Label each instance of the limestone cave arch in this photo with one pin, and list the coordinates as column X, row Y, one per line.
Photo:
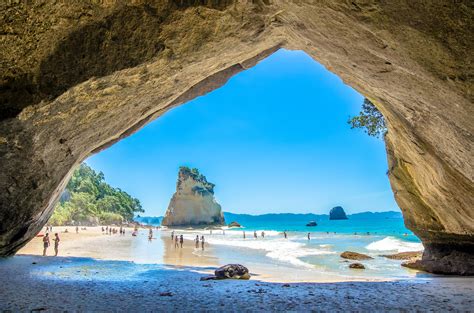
column 78, row 77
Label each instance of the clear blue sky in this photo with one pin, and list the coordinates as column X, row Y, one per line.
column 275, row 138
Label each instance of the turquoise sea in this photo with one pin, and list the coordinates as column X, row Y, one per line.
column 369, row 233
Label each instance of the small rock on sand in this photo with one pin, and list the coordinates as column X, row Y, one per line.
column 355, row 256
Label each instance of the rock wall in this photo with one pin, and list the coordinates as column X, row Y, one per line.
column 193, row 202
column 77, row 76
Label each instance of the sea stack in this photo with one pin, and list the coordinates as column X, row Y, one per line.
column 337, row 213
column 193, row 202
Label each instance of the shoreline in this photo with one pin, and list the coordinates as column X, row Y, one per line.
column 92, row 243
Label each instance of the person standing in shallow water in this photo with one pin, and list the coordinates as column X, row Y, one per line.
column 263, row 234
column 255, row 234
column 202, row 242
column 309, row 236
column 176, row 242
column 197, row 242
column 284, row 234
column 45, row 243
column 181, row 240
column 244, row 234
column 56, row 244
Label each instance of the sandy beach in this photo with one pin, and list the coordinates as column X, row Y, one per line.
column 92, row 243
column 99, row 272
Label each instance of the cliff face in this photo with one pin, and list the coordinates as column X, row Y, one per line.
column 337, row 213
column 77, row 76
column 193, row 202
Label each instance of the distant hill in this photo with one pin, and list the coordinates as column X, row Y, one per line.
column 149, row 220
column 280, row 217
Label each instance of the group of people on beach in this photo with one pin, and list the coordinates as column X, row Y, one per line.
column 47, row 242
column 112, row 230
column 179, row 241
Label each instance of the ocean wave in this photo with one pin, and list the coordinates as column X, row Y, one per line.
column 278, row 249
column 394, row 244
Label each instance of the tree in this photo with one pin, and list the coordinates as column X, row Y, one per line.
column 89, row 198
column 370, row 119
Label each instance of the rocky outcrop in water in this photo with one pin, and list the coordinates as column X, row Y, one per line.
column 78, row 76
column 337, row 213
column 355, row 256
column 193, row 202
column 234, row 224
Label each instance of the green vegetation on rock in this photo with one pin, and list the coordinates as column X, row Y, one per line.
column 89, row 200
column 370, row 119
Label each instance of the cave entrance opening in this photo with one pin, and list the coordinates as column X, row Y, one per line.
column 276, row 142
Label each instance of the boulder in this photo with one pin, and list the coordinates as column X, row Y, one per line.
column 234, row 224
column 232, row 271
column 358, row 266
column 337, row 213
column 355, row 256
column 193, row 203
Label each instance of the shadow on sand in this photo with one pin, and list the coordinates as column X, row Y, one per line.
column 85, row 284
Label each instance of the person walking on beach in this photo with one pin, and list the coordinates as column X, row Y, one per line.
column 77, row 229
column 244, row 234
column 176, row 242
column 202, row 242
column 172, row 235
column 181, row 240
column 56, row 244
column 309, row 236
column 196, row 241
column 285, row 235
column 150, row 234
column 45, row 243
column 263, row 234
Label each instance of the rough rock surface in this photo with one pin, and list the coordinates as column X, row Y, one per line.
column 233, row 271
column 77, row 76
column 234, row 224
column 355, row 256
column 337, row 213
column 411, row 255
column 358, row 266
column 193, row 202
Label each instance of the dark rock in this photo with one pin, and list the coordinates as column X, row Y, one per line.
column 337, row 213
column 233, row 271
column 442, row 259
column 234, row 224
column 166, row 294
column 210, row 277
column 312, row 223
column 355, row 256
column 286, row 285
column 358, row 266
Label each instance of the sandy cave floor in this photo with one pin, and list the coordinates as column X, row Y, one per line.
column 84, row 284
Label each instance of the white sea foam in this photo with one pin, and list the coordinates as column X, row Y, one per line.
column 394, row 244
column 277, row 248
